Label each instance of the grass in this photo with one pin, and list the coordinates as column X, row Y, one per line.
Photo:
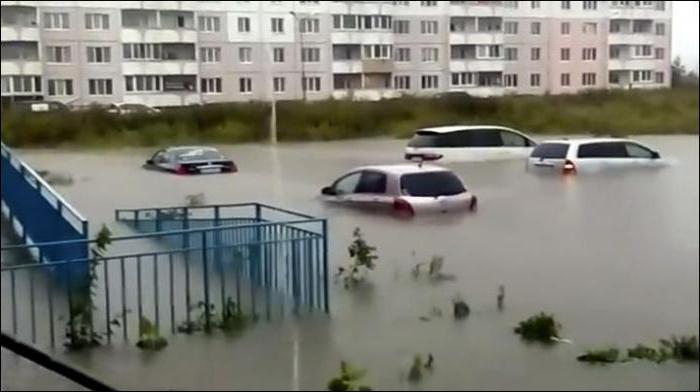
column 665, row 111
column 539, row 328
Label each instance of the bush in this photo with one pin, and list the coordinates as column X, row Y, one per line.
column 542, row 327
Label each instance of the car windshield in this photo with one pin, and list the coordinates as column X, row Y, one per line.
column 197, row 154
column 431, row 184
column 550, row 151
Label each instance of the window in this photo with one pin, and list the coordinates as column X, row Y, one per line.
column 372, row 182
column 634, row 150
column 402, row 54
column 590, row 5
column 312, row 83
column 534, row 4
column 309, row 25
column 245, row 55
column 615, row 26
column 511, row 54
column 21, row 84
column 511, row 27
column 278, row 55
column 566, row 5
column 402, row 3
column 429, row 82
column 376, row 52
column 534, row 80
column 641, row 76
column 550, row 151
column 429, row 55
column 143, row 83
column 210, row 55
column 347, row 184
column 245, row 85
column 660, row 29
column 659, row 77
column 510, row 80
column 244, row 25
column 615, row 52
column 535, row 54
column 402, row 82
column 99, row 54
column 60, row 87
column 100, row 86
column 588, row 79
column 639, row 26
column 660, row 5
column 428, row 3
column 277, row 25
column 462, row 79
column 659, row 53
column 402, row 27
column 488, row 51
column 211, row 86
column 96, row 21
column 431, row 184
column 603, row 150
column 614, row 78
column 58, row 54
column 535, row 28
column 589, row 54
column 565, row 79
column 209, row 23
column 142, row 51
column 512, row 139
column 565, row 54
column 310, row 55
column 429, row 27
column 279, row 84
column 590, row 28
column 510, row 4
column 56, row 20
column 565, row 28
column 642, row 51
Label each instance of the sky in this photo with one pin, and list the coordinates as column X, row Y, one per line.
column 685, row 32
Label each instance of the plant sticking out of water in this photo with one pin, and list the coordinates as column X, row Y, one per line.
column 434, row 269
column 415, row 374
column 199, row 323
column 460, row 308
column 149, row 336
column 232, row 319
column 195, row 200
column 541, row 327
column 604, row 356
column 349, row 379
column 649, row 353
column 363, row 260
column 684, row 348
column 501, row 296
column 79, row 330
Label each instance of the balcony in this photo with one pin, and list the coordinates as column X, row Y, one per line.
column 362, row 37
column 638, row 13
column 347, row 66
column 19, row 23
column 162, row 67
column 158, row 26
column 377, row 66
column 160, row 99
column 473, row 65
column 629, row 63
column 366, row 94
column 476, row 8
column 476, row 38
column 631, row 38
column 158, row 35
column 19, row 33
column 20, row 67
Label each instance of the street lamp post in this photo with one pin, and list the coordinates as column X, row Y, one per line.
column 273, row 101
column 300, row 52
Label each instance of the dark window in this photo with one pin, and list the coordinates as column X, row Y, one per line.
column 372, row 182
column 347, row 184
column 428, row 139
column 512, row 139
column 197, row 154
column 482, row 138
column 160, row 157
column 431, row 184
column 550, row 151
column 471, row 138
column 602, row 150
column 634, row 150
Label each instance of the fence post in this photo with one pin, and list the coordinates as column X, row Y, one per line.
column 324, row 231
column 158, row 222
column 207, row 318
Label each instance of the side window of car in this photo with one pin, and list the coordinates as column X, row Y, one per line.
column 485, row 138
column 634, row 150
column 347, row 184
column 372, row 182
column 512, row 139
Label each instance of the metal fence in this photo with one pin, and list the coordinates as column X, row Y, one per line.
column 38, row 213
column 266, row 268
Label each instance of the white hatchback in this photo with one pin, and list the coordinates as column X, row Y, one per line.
column 591, row 155
column 470, row 143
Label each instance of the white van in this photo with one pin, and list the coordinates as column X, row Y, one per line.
column 590, row 155
column 470, row 143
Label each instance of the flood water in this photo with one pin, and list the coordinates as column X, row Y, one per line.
column 614, row 256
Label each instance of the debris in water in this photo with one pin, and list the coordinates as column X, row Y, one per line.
column 684, row 348
column 52, row 178
column 541, row 327
column 460, row 308
column 196, row 200
column 600, row 356
column 429, row 363
column 348, row 379
column 416, row 372
column 501, row 296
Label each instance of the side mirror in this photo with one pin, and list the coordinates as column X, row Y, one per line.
column 149, row 162
column 655, row 155
column 328, row 191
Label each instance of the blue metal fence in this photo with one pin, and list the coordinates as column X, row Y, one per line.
column 38, row 213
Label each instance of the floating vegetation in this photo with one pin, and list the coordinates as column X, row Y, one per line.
column 349, row 379
column 542, row 328
column 231, row 319
column 149, row 336
column 195, row 200
column 434, row 269
column 460, row 308
column 501, row 296
column 684, row 348
column 649, row 353
column 363, row 260
column 604, row 356
column 415, row 374
column 52, row 178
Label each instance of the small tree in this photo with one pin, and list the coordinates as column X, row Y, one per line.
column 363, row 260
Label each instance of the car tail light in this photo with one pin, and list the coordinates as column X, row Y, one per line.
column 569, row 167
column 181, row 169
column 402, row 206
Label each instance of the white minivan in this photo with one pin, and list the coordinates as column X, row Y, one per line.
column 590, row 155
column 470, row 143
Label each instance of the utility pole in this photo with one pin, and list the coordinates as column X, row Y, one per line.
column 301, row 51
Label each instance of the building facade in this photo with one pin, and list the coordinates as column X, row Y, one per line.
column 170, row 53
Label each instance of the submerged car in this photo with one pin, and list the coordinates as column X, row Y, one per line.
column 590, row 155
column 470, row 143
column 191, row 160
column 406, row 189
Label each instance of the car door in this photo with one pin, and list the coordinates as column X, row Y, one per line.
column 515, row 145
column 344, row 188
column 371, row 191
column 599, row 156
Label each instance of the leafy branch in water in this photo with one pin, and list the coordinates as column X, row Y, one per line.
column 149, row 336
column 349, row 379
column 231, row 319
column 363, row 260
column 434, row 269
column 418, row 366
column 542, row 327
column 684, row 348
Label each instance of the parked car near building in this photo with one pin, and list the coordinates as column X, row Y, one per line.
column 191, row 160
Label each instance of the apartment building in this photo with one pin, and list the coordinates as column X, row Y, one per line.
column 170, row 53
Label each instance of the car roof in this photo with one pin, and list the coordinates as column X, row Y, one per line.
column 456, row 128
column 588, row 140
column 401, row 169
column 184, row 148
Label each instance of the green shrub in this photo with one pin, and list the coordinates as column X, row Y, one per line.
column 542, row 328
